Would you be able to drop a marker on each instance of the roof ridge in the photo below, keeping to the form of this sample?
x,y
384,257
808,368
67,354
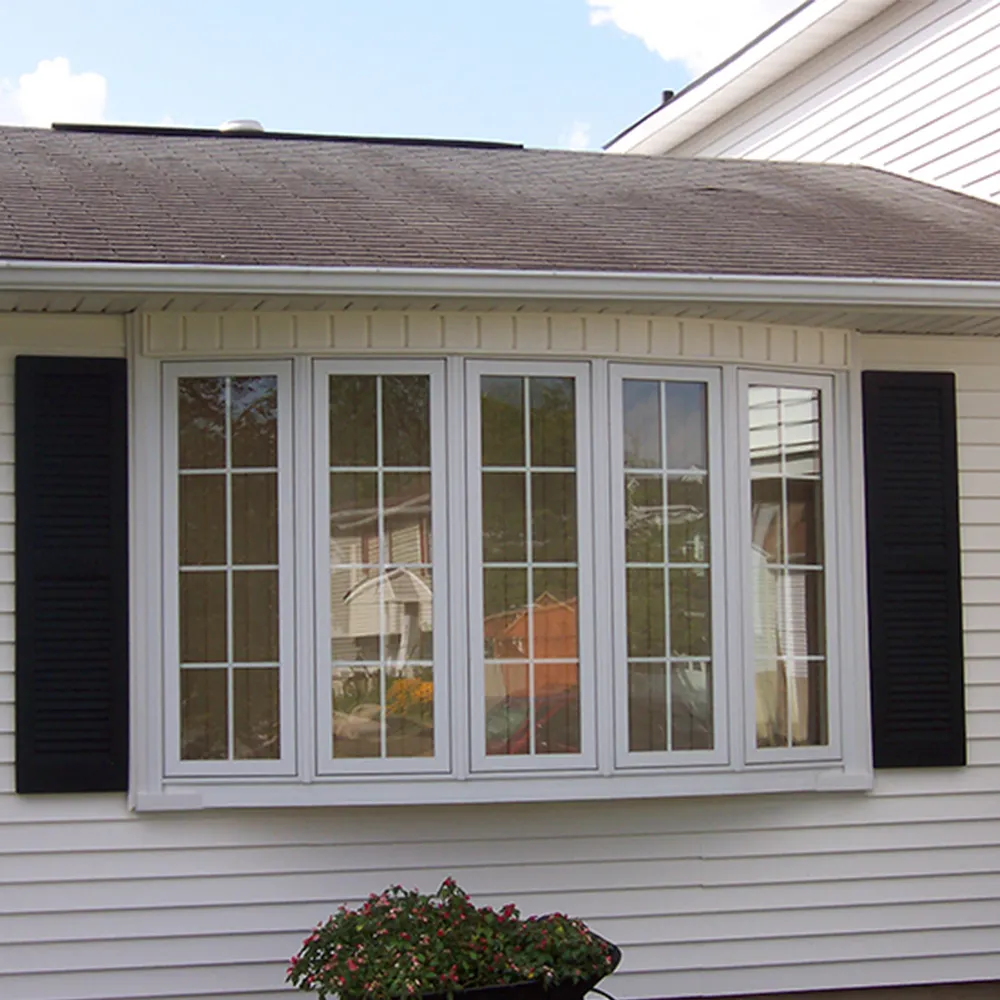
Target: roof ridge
x,y
212,133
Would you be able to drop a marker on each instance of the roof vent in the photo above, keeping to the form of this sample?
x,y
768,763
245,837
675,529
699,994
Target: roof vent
x,y
241,126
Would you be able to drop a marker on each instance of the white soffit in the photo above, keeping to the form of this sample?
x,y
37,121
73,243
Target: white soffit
x,y
811,29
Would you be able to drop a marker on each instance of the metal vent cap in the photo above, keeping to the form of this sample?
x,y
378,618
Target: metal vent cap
x,y
242,126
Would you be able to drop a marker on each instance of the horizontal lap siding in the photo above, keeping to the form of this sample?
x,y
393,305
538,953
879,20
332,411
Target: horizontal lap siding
x,y
707,897
915,91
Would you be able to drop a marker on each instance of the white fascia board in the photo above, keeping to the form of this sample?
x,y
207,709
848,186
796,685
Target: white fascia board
x,y
811,29
32,276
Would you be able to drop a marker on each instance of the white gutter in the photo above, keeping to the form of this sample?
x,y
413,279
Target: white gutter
x,y
179,279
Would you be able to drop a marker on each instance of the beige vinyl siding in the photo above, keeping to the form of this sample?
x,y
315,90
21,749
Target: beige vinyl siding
x,y
915,91
707,897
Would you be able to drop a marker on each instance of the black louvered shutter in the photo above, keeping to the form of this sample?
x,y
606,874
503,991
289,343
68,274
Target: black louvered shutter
x,y
914,572
72,575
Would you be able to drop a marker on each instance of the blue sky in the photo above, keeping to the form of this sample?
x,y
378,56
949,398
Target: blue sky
x,y
542,72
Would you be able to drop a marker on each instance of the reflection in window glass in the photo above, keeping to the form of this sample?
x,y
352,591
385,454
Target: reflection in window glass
x,y
381,581
530,564
667,566
786,522
228,555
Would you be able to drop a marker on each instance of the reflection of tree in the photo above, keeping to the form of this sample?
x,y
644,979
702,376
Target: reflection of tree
x,y
253,415
405,420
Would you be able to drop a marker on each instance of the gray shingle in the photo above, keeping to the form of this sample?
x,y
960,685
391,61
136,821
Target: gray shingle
x,y
207,199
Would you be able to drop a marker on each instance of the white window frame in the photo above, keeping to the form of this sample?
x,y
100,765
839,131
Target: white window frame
x,y
326,764
158,783
587,758
834,502
711,378
286,764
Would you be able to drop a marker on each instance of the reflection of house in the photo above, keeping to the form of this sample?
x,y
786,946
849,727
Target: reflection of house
x,y
553,625
393,597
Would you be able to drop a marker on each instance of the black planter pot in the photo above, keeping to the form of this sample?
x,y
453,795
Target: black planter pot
x,y
533,989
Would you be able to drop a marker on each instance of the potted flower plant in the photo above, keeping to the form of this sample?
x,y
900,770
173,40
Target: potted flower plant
x,y
403,943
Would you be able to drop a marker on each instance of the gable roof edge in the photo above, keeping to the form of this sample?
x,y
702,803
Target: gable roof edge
x,y
781,49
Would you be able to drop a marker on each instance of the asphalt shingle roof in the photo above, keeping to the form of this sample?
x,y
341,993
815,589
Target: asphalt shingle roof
x,y
217,199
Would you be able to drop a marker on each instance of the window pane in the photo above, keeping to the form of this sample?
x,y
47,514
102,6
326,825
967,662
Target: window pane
x,y
352,420
254,415
767,520
647,609
800,422
255,616
691,706
644,519
228,615
643,420
201,423
354,614
531,607
202,520
203,617
502,399
807,703
687,513
553,516
255,518
690,613
409,712
765,432
554,614
667,600
772,704
553,422
407,615
354,517
204,720
687,425
406,509
357,712
381,581
504,532
557,708
647,707
406,420
256,725
508,709
788,553
805,521
505,624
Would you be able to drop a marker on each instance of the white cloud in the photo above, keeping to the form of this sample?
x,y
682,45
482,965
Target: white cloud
x,y
52,93
576,137
699,33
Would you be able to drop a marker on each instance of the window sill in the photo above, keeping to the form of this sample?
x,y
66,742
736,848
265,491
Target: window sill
x,y
433,790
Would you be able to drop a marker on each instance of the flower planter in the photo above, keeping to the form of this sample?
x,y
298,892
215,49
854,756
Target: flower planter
x,y
405,945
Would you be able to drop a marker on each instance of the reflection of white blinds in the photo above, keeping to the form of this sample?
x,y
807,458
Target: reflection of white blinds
x,y
780,614
765,608
793,609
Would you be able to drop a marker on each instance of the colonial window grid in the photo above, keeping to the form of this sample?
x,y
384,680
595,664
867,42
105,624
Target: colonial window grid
x,y
512,569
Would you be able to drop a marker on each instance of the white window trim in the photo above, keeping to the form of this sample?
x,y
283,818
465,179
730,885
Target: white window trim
x,y
720,601
325,762
152,790
562,763
286,763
